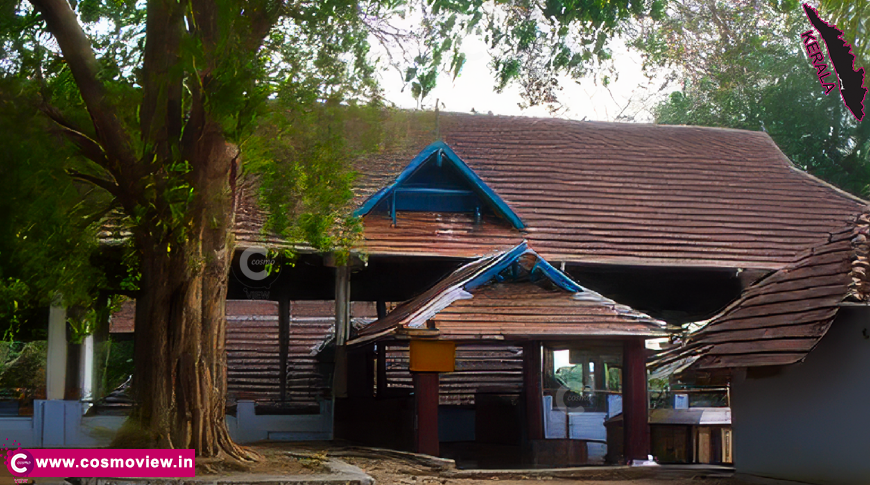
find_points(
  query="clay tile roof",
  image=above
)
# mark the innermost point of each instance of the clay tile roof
(781, 318)
(123, 321)
(512, 294)
(249, 225)
(614, 193)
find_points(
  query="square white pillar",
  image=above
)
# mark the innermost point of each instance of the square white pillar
(87, 368)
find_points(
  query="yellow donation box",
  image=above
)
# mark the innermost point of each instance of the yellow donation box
(433, 356)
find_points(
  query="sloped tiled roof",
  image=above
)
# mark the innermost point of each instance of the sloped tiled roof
(781, 318)
(615, 193)
(526, 310)
(478, 301)
(253, 348)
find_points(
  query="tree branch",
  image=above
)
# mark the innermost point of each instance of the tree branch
(79, 56)
(86, 145)
(160, 114)
(262, 15)
(104, 184)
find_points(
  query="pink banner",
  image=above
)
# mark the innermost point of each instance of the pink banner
(100, 463)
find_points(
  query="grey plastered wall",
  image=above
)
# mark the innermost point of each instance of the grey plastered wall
(811, 421)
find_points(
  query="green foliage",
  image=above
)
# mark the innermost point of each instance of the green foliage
(659, 384)
(614, 378)
(571, 377)
(741, 65)
(14, 294)
(22, 366)
(532, 43)
(301, 104)
(853, 18)
(303, 159)
(48, 243)
(117, 361)
(314, 58)
(47, 234)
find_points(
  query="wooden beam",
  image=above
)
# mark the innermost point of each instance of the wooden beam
(532, 390)
(426, 405)
(635, 409)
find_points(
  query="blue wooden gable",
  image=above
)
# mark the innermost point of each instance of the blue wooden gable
(507, 268)
(437, 180)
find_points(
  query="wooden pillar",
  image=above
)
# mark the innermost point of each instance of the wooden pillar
(342, 304)
(600, 375)
(342, 329)
(548, 371)
(55, 367)
(426, 407)
(533, 391)
(635, 408)
(283, 343)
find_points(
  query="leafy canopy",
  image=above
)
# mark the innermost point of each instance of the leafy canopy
(741, 65)
(47, 246)
(291, 81)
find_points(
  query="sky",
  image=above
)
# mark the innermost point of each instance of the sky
(631, 95)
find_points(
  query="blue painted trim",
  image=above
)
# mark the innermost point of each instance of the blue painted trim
(442, 150)
(559, 278)
(430, 190)
(501, 263)
(509, 259)
(534, 274)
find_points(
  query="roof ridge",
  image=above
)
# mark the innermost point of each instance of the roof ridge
(535, 119)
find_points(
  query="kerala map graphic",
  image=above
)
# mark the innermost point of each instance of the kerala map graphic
(851, 83)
